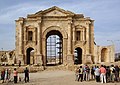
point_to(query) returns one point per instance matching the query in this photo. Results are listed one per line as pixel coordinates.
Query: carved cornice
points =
(79, 26)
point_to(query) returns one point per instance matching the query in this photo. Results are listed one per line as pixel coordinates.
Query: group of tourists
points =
(6, 75)
(103, 74)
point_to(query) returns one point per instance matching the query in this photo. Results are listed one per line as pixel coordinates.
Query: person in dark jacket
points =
(26, 71)
(117, 69)
(92, 73)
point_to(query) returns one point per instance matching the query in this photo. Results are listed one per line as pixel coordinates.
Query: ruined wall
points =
(104, 54)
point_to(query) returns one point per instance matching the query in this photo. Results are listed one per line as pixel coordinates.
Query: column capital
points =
(39, 22)
(21, 22)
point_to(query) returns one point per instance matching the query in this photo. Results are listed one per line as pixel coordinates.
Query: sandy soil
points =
(57, 77)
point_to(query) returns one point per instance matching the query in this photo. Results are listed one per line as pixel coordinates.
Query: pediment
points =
(30, 26)
(53, 11)
(79, 26)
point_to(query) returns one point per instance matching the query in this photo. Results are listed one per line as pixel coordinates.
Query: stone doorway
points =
(54, 49)
(30, 56)
(78, 56)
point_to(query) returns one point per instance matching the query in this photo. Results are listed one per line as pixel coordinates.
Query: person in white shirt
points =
(97, 74)
(112, 73)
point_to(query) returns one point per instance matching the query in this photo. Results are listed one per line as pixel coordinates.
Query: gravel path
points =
(57, 77)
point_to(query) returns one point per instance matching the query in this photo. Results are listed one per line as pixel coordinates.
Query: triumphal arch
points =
(55, 36)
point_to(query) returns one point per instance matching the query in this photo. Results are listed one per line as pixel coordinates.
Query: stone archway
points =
(59, 32)
(54, 43)
(104, 55)
(78, 56)
(30, 56)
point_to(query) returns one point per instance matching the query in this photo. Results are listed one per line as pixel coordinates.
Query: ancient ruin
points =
(55, 36)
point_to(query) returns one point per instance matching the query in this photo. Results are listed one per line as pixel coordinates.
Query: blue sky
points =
(106, 14)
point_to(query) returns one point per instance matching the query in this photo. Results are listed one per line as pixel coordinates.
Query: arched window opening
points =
(30, 35)
(78, 35)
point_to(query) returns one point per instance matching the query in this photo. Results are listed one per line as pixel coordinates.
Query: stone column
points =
(20, 43)
(74, 35)
(20, 38)
(38, 38)
(69, 39)
(65, 51)
(69, 50)
(88, 46)
(39, 55)
(44, 50)
(83, 35)
(88, 41)
(73, 40)
(92, 39)
(112, 48)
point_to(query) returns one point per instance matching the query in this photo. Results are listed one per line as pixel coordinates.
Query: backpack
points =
(79, 70)
(113, 71)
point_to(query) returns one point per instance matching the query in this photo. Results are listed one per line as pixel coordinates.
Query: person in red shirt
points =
(103, 74)
(15, 74)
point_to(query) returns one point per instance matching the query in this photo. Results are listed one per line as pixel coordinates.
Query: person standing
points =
(92, 73)
(76, 73)
(97, 74)
(103, 74)
(3, 75)
(6, 75)
(88, 73)
(112, 73)
(26, 71)
(9, 74)
(108, 74)
(117, 73)
(80, 74)
(85, 72)
(15, 74)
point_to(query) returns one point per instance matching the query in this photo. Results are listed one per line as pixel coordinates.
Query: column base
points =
(88, 59)
(20, 58)
(38, 59)
(70, 60)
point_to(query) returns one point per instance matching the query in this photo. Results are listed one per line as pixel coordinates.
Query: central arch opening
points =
(54, 48)
(78, 56)
(30, 56)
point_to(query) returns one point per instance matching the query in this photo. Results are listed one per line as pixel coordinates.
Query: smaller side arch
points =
(29, 59)
(78, 52)
(104, 54)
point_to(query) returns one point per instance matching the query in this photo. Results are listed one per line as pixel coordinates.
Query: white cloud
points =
(11, 13)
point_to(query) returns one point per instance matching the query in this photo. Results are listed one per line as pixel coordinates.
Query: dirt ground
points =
(57, 77)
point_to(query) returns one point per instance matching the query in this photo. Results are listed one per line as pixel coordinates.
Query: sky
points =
(106, 14)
